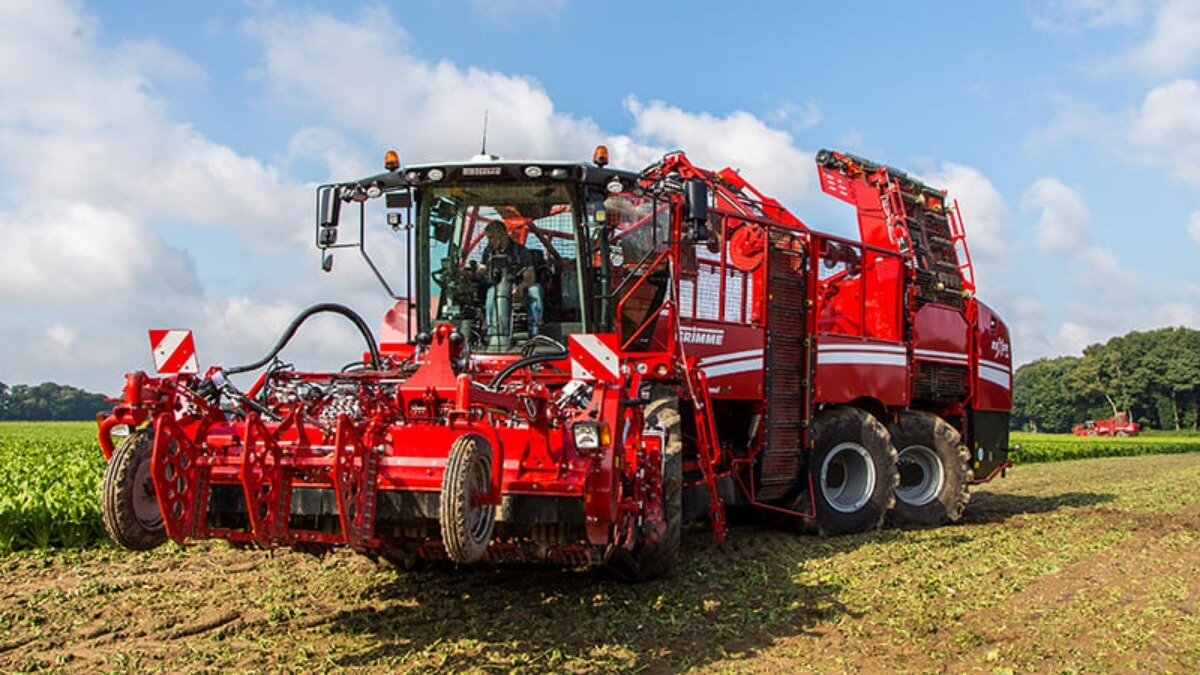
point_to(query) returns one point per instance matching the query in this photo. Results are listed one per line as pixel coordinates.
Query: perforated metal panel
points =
(788, 368)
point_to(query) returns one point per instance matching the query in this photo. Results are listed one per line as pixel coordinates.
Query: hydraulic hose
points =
(523, 363)
(331, 307)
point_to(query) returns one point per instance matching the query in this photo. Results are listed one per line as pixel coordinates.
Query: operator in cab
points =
(509, 264)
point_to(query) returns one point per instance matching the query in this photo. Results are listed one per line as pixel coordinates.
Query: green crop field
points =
(1056, 447)
(50, 475)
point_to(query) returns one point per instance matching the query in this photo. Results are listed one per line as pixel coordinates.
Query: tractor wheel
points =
(934, 470)
(129, 508)
(853, 468)
(467, 526)
(1122, 434)
(657, 559)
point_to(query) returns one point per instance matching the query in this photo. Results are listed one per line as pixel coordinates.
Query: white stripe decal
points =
(880, 349)
(994, 376)
(599, 351)
(734, 367)
(835, 359)
(734, 356)
(952, 356)
(1004, 368)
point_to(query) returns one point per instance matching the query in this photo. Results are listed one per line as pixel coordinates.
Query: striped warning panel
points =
(174, 352)
(594, 357)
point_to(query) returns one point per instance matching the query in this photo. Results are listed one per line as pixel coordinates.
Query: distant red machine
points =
(1117, 425)
(650, 347)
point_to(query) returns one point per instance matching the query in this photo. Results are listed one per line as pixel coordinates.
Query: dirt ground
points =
(1086, 565)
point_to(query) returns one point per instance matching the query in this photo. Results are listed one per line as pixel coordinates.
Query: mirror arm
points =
(362, 248)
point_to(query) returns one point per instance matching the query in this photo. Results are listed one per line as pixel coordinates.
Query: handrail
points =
(641, 279)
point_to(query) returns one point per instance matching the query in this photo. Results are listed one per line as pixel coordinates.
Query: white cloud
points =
(985, 218)
(1174, 43)
(156, 60)
(1100, 269)
(985, 214)
(1072, 337)
(1064, 215)
(765, 156)
(1194, 227)
(797, 116)
(81, 253)
(61, 336)
(434, 111)
(1166, 129)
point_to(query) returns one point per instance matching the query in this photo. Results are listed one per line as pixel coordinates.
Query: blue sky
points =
(158, 158)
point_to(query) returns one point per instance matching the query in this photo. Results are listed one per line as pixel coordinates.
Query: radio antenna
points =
(483, 147)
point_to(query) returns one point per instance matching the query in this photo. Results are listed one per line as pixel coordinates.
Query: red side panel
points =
(940, 334)
(994, 374)
(730, 355)
(849, 368)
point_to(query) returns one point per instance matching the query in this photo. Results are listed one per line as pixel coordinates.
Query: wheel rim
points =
(847, 477)
(921, 475)
(479, 519)
(145, 504)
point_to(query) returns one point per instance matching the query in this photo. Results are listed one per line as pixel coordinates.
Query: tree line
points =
(48, 401)
(1155, 375)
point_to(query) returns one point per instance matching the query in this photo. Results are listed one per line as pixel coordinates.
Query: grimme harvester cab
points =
(584, 358)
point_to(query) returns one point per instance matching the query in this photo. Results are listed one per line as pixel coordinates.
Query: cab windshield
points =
(501, 261)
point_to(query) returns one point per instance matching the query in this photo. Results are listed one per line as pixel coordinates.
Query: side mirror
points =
(327, 262)
(329, 205)
(695, 208)
(329, 209)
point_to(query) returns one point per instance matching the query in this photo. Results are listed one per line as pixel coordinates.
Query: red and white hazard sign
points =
(594, 357)
(174, 352)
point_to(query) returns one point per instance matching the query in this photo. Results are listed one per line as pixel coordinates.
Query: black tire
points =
(935, 471)
(466, 529)
(853, 469)
(129, 508)
(934, 468)
(653, 560)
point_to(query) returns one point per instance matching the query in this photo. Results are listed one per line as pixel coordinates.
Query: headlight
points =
(119, 430)
(587, 435)
(435, 174)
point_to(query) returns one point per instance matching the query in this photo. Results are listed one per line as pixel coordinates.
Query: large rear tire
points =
(467, 526)
(934, 468)
(650, 560)
(129, 508)
(853, 469)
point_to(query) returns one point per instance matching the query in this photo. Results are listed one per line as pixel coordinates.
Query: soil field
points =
(1081, 565)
